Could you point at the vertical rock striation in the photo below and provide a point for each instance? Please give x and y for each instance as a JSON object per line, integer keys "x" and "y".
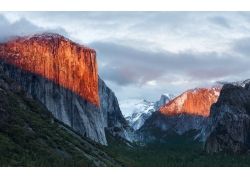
{"x": 62, "y": 75}
{"x": 115, "y": 123}
{"x": 58, "y": 59}
{"x": 229, "y": 129}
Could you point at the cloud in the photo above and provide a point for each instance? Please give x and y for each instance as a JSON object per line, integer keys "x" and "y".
{"x": 23, "y": 27}
{"x": 221, "y": 21}
{"x": 126, "y": 65}
{"x": 242, "y": 46}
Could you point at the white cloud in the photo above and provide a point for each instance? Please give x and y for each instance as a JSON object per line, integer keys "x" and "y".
{"x": 151, "y": 83}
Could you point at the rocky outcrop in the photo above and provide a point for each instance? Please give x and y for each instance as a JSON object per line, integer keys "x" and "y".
{"x": 58, "y": 59}
{"x": 165, "y": 98}
{"x": 230, "y": 121}
{"x": 193, "y": 102}
{"x": 62, "y": 75}
{"x": 115, "y": 123}
{"x": 187, "y": 112}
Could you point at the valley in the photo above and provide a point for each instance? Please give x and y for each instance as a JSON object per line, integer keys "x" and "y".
{"x": 57, "y": 111}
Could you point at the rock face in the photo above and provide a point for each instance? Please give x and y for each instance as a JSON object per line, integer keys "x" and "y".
{"x": 192, "y": 102}
{"x": 137, "y": 111}
{"x": 230, "y": 121}
{"x": 58, "y": 59}
{"x": 115, "y": 123}
{"x": 187, "y": 112}
{"x": 62, "y": 75}
{"x": 165, "y": 98}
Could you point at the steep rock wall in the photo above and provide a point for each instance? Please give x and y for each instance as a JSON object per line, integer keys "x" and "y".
{"x": 58, "y": 59}
{"x": 195, "y": 102}
{"x": 230, "y": 121}
{"x": 115, "y": 123}
{"x": 62, "y": 75}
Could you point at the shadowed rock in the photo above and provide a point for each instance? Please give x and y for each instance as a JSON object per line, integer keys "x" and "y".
{"x": 230, "y": 121}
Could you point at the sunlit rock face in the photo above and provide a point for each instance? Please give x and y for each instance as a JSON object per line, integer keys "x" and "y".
{"x": 185, "y": 113}
{"x": 58, "y": 59}
{"x": 62, "y": 75}
{"x": 192, "y": 102}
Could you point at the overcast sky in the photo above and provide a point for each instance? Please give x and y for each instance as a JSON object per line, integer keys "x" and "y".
{"x": 146, "y": 54}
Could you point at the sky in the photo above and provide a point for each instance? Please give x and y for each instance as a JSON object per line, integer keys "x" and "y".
{"x": 146, "y": 54}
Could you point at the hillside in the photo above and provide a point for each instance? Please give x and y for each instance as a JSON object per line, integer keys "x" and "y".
{"x": 31, "y": 136}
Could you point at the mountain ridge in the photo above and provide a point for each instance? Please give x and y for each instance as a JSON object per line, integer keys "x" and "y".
{"x": 136, "y": 111}
{"x": 182, "y": 114}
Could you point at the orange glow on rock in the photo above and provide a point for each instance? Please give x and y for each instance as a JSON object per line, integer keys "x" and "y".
{"x": 58, "y": 59}
{"x": 194, "y": 102}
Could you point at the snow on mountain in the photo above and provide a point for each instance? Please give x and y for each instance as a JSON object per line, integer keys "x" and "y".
{"x": 237, "y": 83}
{"x": 136, "y": 111}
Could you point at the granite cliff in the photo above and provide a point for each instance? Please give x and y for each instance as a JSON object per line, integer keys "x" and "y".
{"x": 115, "y": 123}
{"x": 63, "y": 75}
{"x": 229, "y": 128}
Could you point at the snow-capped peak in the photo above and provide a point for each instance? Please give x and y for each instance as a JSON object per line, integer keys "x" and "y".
{"x": 136, "y": 111}
{"x": 135, "y": 106}
{"x": 236, "y": 83}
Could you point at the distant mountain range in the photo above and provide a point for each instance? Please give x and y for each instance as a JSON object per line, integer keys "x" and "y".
{"x": 136, "y": 111}
{"x": 187, "y": 112}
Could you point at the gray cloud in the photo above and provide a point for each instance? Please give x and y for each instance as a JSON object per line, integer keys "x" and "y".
{"x": 126, "y": 65}
{"x": 221, "y": 21}
{"x": 242, "y": 46}
{"x": 23, "y": 27}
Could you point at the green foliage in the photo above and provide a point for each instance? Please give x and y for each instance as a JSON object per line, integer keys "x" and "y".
{"x": 177, "y": 154}
{"x": 29, "y": 137}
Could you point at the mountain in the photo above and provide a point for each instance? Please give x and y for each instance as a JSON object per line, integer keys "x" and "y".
{"x": 31, "y": 136}
{"x": 136, "y": 111}
{"x": 187, "y": 113}
{"x": 229, "y": 129}
{"x": 63, "y": 76}
{"x": 115, "y": 123}
{"x": 165, "y": 98}
{"x": 236, "y": 83}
